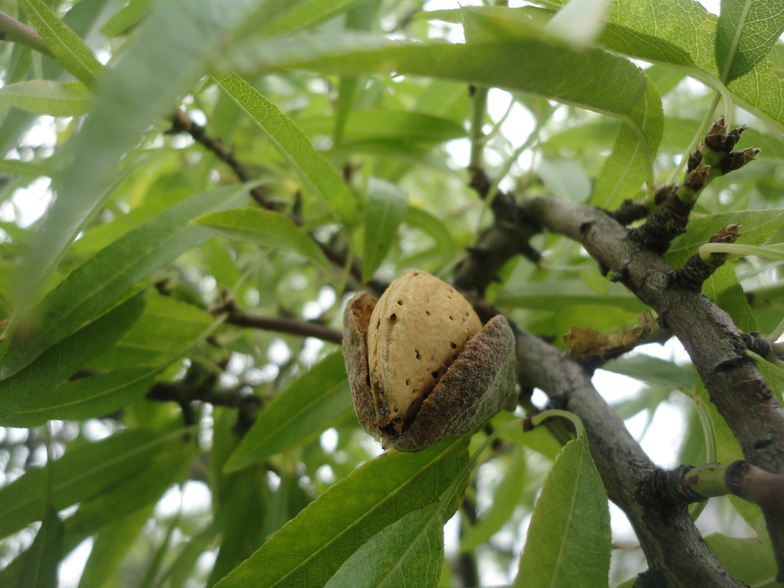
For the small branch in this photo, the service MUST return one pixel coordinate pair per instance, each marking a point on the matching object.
(237, 316)
(14, 31)
(181, 123)
(478, 111)
(699, 268)
(291, 326)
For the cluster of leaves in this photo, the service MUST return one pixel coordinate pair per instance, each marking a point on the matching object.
(118, 299)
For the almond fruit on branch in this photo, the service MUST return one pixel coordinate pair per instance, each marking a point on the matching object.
(420, 364)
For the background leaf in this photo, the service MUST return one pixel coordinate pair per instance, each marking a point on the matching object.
(292, 143)
(267, 228)
(746, 31)
(306, 407)
(316, 543)
(385, 208)
(45, 97)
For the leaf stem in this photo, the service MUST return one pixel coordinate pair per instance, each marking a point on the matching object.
(478, 112)
(14, 31)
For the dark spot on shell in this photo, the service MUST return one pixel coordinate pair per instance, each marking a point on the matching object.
(393, 317)
(418, 356)
(453, 345)
(427, 312)
(408, 382)
(400, 303)
(434, 374)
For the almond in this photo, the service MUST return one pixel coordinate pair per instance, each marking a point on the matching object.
(421, 365)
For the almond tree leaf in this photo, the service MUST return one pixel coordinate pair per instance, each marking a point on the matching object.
(625, 170)
(44, 555)
(35, 384)
(311, 14)
(107, 277)
(305, 408)
(409, 552)
(746, 32)
(140, 489)
(384, 211)
(167, 328)
(159, 64)
(568, 541)
(81, 474)
(390, 124)
(310, 548)
(749, 560)
(268, 228)
(312, 168)
(66, 45)
(47, 97)
(597, 80)
(81, 399)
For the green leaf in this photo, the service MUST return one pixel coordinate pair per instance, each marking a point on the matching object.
(107, 277)
(311, 14)
(630, 163)
(125, 18)
(568, 541)
(653, 371)
(161, 63)
(749, 560)
(756, 227)
(81, 474)
(166, 329)
(35, 386)
(312, 168)
(419, 218)
(305, 408)
(81, 399)
(597, 80)
(565, 178)
(47, 97)
(409, 552)
(67, 47)
(44, 555)
(746, 31)
(556, 295)
(384, 211)
(309, 549)
(390, 124)
(267, 228)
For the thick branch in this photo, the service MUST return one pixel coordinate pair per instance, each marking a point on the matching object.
(675, 550)
(714, 343)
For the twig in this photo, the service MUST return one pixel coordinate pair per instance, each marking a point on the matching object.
(14, 31)
(287, 325)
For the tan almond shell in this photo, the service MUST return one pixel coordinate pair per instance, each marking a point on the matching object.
(479, 383)
(418, 328)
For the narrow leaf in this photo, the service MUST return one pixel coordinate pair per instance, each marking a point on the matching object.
(310, 14)
(34, 385)
(384, 210)
(579, 22)
(568, 541)
(85, 398)
(264, 227)
(68, 48)
(46, 97)
(597, 80)
(44, 555)
(309, 549)
(390, 124)
(108, 276)
(630, 163)
(312, 168)
(409, 552)
(79, 475)
(305, 408)
(746, 31)
(161, 63)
